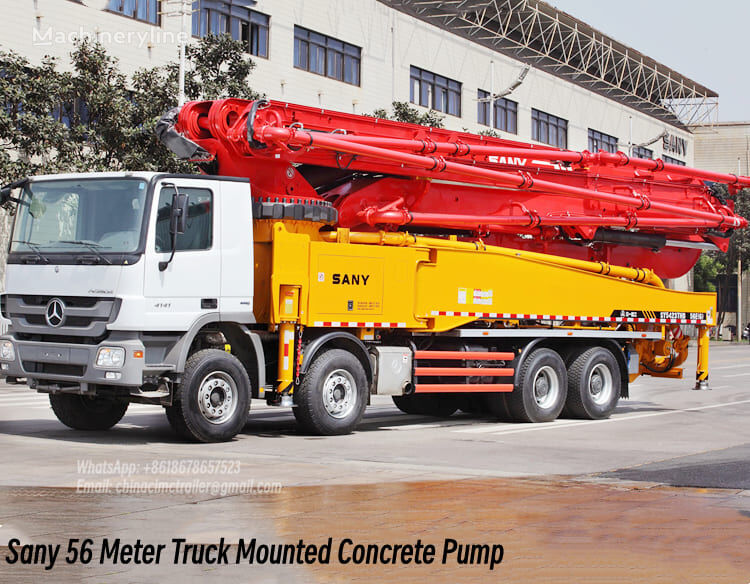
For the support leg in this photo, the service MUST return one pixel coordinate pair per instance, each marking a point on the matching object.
(701, 371)
(286, 363)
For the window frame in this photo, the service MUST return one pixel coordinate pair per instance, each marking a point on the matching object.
(544, 125)
(601, 141)
(672, 160)
(134, 16)
(503, 109)
(327, 56)
(184, 189)
(638, 152)
(435, 90)
(234, 16)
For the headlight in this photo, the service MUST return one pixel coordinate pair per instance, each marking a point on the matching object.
(7, 352)
(110, 357)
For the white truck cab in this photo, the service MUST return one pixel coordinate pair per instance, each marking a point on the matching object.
(103, 310)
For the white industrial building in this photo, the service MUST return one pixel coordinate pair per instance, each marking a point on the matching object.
(725, 147)
(557, 80)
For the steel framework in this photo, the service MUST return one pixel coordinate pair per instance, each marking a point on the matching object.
(536, 33)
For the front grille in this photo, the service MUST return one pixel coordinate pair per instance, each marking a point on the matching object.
(84, 316)
(70, 301)
(68, 340)
(71, 321)
(54, 368)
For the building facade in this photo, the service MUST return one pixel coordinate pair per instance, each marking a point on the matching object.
(725, 147)
(524, 70)
(360, 55)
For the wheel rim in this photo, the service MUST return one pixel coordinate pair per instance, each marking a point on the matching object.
(546, 387)
(217, 397)
(339, 394)
(601, 384)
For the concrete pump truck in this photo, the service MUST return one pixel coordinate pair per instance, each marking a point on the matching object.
(320, 258)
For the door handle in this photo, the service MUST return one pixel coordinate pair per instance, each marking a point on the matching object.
(208, 303)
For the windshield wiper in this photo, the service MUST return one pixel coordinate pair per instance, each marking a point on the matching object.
(35, 248)
(94, 247)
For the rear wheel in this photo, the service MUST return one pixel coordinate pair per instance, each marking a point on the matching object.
(332, 397)
(213, 398)
(540, 395)
(593, 384)
(82, 412)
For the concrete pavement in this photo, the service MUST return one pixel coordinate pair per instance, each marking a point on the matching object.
(571, 500)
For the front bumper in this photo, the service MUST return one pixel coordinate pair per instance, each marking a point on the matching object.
(72, 366)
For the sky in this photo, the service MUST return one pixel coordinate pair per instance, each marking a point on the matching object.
(706, 41)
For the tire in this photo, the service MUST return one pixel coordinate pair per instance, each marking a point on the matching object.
(594, 384)
(436, 406)
(82, 412)
(213, 398)
(540, 395)
(407, 404)
(332, 397)
(177, 422)
(497, 406)
(472, 403)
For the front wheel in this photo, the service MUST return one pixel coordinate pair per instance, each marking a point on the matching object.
(332, 397)
(213, 398)
(82, 412)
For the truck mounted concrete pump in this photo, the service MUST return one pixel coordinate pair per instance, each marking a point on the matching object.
(321, 258)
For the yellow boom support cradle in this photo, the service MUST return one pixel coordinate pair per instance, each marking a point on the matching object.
(400, 281)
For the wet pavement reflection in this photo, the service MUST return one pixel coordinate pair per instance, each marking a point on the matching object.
(551, 531)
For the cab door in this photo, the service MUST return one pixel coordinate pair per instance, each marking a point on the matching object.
(190, 285)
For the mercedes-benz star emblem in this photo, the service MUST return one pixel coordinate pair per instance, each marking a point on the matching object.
(55, 312)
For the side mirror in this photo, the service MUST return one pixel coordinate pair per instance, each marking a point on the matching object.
(6, 192)
(5, 195)
(179, 216)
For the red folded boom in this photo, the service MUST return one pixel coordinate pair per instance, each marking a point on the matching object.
(388, 175)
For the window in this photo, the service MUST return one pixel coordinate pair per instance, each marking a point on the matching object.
(549, 129)
(671, 160)
(324, 55)
(199, 232)
(234, 18)
(145, 10)
(66, 216)
(435, 92)
(642, 152)
(601, 141)
(72, 113)
(505, 114)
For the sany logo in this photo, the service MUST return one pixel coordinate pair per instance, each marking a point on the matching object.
(514, 161)
(351, 279)
(508, 160)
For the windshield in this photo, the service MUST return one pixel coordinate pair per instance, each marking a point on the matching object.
(82, 216)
